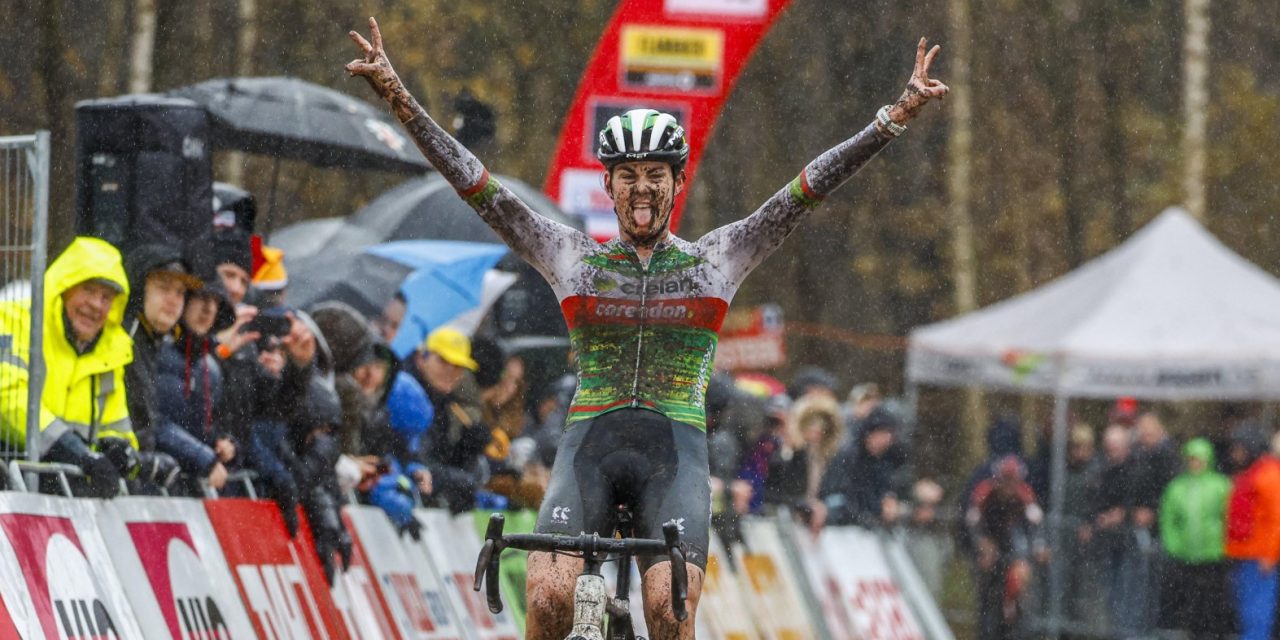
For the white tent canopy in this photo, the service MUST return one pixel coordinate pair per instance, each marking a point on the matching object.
(1171, 314)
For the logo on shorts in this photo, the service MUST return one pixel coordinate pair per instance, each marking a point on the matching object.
(560, 515)
(678, 522)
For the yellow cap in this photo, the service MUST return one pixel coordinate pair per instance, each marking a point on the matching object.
(452, 346)
(271, 276)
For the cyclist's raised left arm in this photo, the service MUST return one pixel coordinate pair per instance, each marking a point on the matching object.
(750, 240)
(535, 237)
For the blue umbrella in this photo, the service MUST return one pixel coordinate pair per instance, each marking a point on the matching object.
(447, 281)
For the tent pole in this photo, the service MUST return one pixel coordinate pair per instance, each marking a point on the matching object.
(1057, 502)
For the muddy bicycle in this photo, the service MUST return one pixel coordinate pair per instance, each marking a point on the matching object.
(591, 602)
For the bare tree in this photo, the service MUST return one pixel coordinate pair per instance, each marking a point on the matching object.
(964, 266)
(246, 44)
(1195, 102)
(143, 46)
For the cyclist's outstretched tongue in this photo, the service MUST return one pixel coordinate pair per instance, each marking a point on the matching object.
(644, 311)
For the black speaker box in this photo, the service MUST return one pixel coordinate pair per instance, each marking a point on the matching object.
(144, 170)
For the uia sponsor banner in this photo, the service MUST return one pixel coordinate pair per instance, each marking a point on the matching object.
(166, 555)
(454, 545)
(279, 579)
(416, 601)
(56, 576)
(678, 56)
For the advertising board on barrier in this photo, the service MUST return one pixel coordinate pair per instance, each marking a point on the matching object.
(823, 584)
(774, 586)
(284, 589)
(359, 601)
(166, 554)
(417, 602)
(720, 611)
(454, 545)
(877, 607)
(56, 576)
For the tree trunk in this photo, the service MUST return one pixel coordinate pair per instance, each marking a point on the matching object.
(964, 268)
(110, 64)
(1195, 105)
(142, 49)
(246, 47)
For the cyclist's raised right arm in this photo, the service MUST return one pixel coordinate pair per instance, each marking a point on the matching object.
(536, 238)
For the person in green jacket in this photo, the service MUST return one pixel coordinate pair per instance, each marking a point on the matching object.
(1193, 511)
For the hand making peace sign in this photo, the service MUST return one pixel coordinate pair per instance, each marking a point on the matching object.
(920, 88)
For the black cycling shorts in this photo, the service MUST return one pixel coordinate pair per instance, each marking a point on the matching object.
(641, 458)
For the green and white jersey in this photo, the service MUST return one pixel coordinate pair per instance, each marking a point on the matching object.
(644, 333)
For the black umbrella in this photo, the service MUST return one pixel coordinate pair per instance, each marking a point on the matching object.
(324, 258)
(293, 119)
(428, 208)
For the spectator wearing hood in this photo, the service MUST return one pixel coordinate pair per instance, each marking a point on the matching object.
(189, 383)
(814, 380)
(315, 449)
(160, 281)
(363, 369)
(1253, 530)
(777, 464)
(1193, 513)
(858, 484)
(403, 478)
(458, 436)
(83, 403)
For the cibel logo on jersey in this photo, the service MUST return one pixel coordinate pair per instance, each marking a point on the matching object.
(560, 515)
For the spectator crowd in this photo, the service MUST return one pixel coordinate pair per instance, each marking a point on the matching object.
(185, 371)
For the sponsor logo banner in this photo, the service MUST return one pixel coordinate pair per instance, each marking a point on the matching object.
(721, 609)
(774, 590)
(718, 8)
(453, 546)
(671, 58)
(752, 339)
(416, 601)
(56, 577)
(280, 580)
(167, 555)
(876, 607)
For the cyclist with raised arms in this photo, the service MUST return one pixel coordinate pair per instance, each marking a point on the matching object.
(644, 311)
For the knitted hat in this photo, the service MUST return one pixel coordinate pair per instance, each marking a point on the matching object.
(231, 246)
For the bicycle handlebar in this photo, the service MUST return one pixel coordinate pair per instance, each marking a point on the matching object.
(495, 543)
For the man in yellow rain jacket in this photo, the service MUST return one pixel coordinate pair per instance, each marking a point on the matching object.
(84, 419)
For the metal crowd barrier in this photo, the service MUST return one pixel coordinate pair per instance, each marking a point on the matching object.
(24, 219)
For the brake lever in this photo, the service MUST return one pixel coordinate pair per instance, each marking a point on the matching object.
(679, 572)
(487, 564)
